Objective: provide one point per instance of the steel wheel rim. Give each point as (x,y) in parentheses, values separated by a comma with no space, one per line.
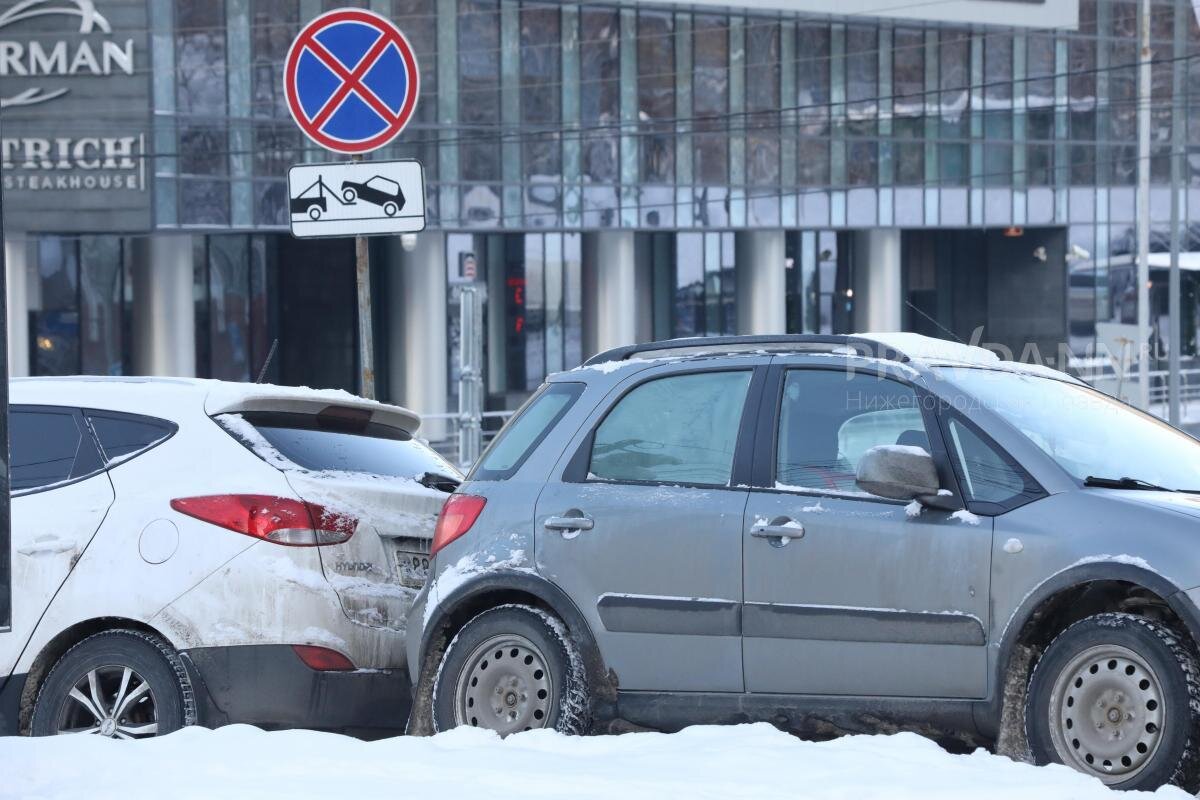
(1107,713)
(111,701)
(505,686)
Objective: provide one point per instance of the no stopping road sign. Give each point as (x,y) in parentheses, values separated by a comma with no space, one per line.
(351,81)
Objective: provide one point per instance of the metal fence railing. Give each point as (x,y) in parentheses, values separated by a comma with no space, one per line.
(451,430)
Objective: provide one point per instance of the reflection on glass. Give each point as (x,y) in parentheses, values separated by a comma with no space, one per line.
(710,98)
(656,95)
(479,90)
(541,91)
(599,92)
(762,103)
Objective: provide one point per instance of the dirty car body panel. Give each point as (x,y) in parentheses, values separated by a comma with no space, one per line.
(785,593)
(233,606)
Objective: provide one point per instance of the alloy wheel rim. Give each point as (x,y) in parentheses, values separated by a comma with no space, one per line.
(504,686)
(111,701)
(1107,713)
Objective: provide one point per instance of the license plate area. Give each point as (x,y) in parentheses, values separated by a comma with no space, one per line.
(412,562)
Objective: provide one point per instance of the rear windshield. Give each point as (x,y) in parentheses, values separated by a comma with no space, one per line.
(333,444)
(525,431)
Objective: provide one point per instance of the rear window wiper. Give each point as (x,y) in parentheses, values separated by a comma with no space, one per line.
(434,480)
(1124,483)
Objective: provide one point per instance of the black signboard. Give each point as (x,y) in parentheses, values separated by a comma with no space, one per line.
(75,92)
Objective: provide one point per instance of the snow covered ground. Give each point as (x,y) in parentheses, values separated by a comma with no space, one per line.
(748,761)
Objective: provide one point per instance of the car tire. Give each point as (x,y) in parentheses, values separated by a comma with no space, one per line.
(1117,696)
(111,668)
(349,195)
(391,209)
(314,213)
(537,677)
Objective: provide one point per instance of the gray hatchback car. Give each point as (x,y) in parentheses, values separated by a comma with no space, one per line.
(833,534)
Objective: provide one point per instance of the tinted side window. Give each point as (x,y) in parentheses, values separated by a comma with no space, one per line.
(988,476)
(123,435)
(678,429)
(526,430)
(48,447)
(829,419)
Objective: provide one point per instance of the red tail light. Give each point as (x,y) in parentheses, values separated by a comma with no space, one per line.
(272,519)
(457,517)
(322,658)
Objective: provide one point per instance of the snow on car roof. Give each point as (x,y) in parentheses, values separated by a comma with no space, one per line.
(926,348)
(945,353)
(134,394)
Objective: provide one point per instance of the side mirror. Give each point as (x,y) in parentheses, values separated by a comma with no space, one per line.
(898,472)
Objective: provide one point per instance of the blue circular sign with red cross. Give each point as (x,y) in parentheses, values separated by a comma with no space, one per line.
(351,80)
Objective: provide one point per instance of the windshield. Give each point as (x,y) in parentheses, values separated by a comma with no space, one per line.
(1089,434)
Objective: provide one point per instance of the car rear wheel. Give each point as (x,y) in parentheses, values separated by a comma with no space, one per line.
(390,208)
(1116,696)
(314,213)
(120,684)
(349,195)
(513,668)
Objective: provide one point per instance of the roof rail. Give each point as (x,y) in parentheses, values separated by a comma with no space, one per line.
(797,342)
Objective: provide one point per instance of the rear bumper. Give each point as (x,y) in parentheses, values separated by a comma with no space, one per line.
(269,686)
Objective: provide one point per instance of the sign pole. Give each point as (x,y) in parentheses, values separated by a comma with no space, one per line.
(366,330)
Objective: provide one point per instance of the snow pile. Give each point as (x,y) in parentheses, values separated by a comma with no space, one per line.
(748,761)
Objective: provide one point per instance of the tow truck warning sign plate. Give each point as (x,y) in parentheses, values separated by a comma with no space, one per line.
(356,198)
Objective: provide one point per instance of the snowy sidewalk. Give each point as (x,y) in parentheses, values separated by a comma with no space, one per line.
(748,761)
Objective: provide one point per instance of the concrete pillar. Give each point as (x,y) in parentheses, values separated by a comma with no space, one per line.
(417,328)
(761,293)
(878,286)
(18,260)
(610,291)
(164,309)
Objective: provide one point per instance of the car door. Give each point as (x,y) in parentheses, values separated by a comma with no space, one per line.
(643,527)
(862,596)
(60,494)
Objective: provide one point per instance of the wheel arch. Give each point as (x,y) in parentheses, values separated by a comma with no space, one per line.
(58,645)
(503,587)
(1065,598)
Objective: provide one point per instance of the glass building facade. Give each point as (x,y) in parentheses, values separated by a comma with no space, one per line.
(541,124)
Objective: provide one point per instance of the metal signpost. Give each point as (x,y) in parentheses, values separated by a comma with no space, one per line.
(351,83)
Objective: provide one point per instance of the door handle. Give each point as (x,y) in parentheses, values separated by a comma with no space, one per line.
(580,522)
(780,530)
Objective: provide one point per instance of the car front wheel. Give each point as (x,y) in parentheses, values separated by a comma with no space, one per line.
(1116,696)
(121,684)
(513,668)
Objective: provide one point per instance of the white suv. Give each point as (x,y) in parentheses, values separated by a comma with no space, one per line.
(188,551)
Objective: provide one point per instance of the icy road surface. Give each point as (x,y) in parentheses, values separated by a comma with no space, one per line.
(749,761)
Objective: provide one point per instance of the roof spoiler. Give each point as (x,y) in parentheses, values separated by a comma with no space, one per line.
(284,399)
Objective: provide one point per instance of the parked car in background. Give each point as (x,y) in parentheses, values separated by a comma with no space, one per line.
(189,551)
(833,534)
